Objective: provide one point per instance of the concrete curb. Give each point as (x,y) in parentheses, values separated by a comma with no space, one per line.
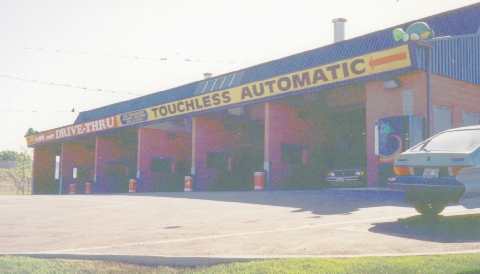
(171,261)
(194,261)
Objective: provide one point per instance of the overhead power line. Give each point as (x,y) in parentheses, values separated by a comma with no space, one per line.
(19,110)
(136,57)
(113,92)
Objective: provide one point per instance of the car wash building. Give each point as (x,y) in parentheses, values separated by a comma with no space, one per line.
(354,103)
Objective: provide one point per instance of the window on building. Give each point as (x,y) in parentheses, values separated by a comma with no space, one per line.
(442,119)
(407,102)
(293,154)
(161,165)
(217,161)
(470,119)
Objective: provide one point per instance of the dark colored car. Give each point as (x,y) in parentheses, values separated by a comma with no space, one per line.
(352,177)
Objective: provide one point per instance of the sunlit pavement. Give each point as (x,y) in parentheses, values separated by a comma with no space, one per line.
(233,225)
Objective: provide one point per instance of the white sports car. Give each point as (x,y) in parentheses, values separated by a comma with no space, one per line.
(442,169)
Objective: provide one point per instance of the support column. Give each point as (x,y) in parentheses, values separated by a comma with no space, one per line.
(104,153)
(98,166)
(266,163)
(63,188)
(194,145)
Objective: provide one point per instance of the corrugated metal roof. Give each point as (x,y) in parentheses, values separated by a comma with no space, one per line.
(457,22)
(456,57)
(138,103)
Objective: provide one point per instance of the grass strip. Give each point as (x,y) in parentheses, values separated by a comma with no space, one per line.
(458,263)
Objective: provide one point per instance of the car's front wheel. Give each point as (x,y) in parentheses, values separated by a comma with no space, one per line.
(429,208)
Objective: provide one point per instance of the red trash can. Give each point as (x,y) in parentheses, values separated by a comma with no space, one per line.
(88,188)
(73,189)
(188,183)
(259,180)
(132,186)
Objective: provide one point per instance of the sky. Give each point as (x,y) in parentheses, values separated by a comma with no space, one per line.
(58,58)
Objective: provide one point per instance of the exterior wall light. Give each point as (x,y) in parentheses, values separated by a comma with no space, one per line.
(391,83)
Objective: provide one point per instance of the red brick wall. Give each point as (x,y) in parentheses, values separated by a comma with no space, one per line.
(381,103)
(112,150)
(282,126)
(458,95)
(210,136)
(447,92)
(43,172)
(74,155)
(155,143)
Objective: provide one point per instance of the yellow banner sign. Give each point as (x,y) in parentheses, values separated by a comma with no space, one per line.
(353,68)
(361,66)
(73,130)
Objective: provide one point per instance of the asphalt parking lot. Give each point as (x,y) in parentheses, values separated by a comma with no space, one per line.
(184,228)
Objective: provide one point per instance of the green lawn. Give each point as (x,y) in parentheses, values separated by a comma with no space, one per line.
(461,263)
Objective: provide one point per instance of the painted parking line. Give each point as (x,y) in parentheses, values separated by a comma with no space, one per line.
(97,207)
(347,224)
(89,200)
(225,235)
(354,229)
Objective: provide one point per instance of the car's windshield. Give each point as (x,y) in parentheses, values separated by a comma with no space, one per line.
(453,141)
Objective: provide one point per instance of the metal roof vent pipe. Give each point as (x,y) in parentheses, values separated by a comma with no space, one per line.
(207,75)
(339,29)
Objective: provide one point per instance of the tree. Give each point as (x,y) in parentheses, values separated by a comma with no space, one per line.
(21,176)
(9,155)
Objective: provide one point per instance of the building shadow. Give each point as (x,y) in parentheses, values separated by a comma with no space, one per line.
(443,229)
(319,202)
